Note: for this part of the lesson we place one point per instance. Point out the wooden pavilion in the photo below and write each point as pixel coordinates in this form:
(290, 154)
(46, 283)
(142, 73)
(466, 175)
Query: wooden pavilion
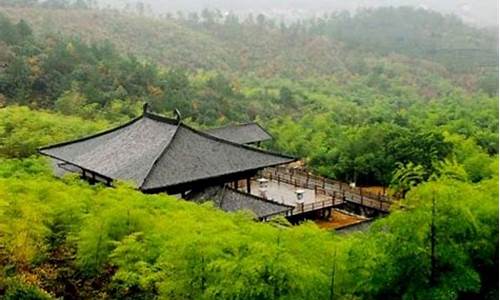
(158, 154)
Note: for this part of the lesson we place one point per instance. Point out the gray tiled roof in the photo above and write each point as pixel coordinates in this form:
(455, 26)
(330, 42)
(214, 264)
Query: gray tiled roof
(230, 200)
(155, 152)
(242, 133)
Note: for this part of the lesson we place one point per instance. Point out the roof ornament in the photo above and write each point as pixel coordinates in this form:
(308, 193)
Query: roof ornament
(178, 116)
(145, 108)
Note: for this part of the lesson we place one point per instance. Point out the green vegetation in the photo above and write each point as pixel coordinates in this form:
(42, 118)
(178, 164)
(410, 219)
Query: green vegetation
(352, 95)
(363, 142)
(22, 130)
(350, 126)
(66, 238)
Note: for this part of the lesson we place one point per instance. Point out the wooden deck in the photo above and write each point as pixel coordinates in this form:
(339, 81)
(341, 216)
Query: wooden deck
(340, 220)
(328, 193)
(284, 193)
(314, 206)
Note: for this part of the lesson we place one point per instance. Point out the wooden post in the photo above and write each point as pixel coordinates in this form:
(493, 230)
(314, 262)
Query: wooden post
(315, 190)
(248, 186)
(323, 182)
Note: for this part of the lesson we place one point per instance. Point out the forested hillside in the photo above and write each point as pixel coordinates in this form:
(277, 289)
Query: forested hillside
(395, 97)
(334, 44)
(349, 120)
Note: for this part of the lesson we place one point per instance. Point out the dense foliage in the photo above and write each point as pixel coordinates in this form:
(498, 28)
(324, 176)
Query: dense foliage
(352, 95)
(22, 131)
(359, 126)
(363, 141)
(337, 43)
(66, 238)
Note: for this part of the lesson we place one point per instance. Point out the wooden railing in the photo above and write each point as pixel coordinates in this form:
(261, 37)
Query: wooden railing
(332, 188)
(307, 207)
(308, 180)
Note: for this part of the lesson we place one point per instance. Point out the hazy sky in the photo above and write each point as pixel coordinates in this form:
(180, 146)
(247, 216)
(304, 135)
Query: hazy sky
(480, 12)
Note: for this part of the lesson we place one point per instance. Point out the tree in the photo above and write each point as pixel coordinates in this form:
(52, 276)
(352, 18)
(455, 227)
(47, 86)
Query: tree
(407, 176)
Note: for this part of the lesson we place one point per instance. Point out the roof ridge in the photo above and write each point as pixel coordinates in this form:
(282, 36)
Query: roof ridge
(241, 133)
(208, 135)
(234, 125)
(263, 129)
(88, 137)
(161, 118)
(78, 166)
(204, 134)
(160, 154)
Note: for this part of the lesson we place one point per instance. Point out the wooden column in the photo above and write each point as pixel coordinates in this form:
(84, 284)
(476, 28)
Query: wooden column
(248, 186)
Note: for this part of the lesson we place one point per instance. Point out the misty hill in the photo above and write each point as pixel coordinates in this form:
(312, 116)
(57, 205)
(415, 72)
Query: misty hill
(484, 13)
(326, 45)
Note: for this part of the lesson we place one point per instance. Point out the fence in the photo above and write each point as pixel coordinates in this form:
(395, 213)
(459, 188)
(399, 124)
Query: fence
(307, 207)
(329, 187)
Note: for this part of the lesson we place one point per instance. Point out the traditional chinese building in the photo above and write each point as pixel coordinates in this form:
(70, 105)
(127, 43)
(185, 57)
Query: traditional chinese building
(158, 154)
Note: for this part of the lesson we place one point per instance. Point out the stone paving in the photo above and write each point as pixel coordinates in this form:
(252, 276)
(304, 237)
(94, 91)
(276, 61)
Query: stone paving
(285, 193)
